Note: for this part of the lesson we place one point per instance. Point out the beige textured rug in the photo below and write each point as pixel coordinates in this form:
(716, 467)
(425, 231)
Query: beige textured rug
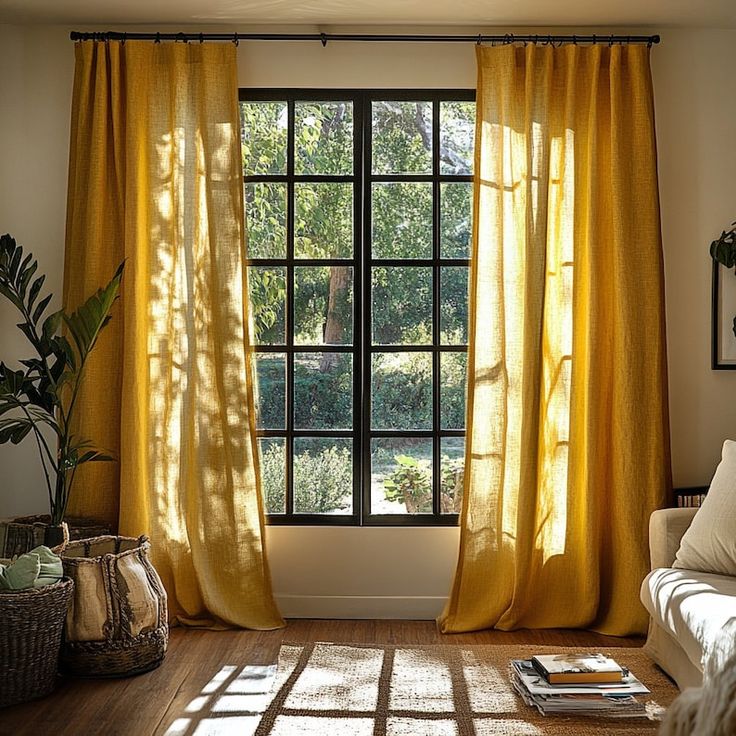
(451, 690)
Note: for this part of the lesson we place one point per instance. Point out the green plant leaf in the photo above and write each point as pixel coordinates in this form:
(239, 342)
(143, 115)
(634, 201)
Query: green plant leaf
(40, 307)
(14, 263)
(52, 323)
(7, 292)
(86, 323)
(14, 429)
(26, 274)
(34, 290)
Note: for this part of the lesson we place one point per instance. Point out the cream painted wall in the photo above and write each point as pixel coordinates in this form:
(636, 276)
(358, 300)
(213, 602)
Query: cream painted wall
(36, 68)
(402, 572)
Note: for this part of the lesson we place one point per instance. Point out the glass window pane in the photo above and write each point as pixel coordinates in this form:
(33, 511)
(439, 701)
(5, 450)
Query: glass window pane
(454, 305)
(323, 475)
(323, 305)
(401, 216)
(401, 391)
(263, 137)
(452, 472)
(273, 473)
(323, 391)
(401, 137)
(271, 390)
(323, 220)
(267, 287)
(456, 219)
(401, 310)
(453, 370)
(401, 475)
(457, 134)
(323, 137)
(265, 220)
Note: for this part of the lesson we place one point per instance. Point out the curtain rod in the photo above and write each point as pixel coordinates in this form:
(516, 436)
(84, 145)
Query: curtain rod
(324, 38)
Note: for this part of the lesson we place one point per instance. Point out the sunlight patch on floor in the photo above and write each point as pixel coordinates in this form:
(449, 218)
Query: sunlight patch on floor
(338, 690)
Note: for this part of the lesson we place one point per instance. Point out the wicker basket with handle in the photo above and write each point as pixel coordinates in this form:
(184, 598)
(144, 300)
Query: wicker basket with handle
(117, 624)
(31, 624)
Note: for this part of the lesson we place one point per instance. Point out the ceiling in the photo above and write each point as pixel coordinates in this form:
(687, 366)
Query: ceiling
(539, 13)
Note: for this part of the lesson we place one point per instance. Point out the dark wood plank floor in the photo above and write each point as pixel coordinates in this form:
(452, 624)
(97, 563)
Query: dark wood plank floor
(149, 704)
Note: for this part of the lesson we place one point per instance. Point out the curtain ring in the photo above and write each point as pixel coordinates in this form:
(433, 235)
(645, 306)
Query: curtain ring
(236, 40)
(122, 40)
(479, 41)
(610, 41)
(180, 37)
(595, 39)
(574, 40)
(201, 37)
(548, 42)
(649, 42)
(323, 39)
(158, 38)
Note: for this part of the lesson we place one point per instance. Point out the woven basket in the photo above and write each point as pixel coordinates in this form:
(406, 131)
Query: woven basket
(23, 533)
(117, 625)
(31, 624)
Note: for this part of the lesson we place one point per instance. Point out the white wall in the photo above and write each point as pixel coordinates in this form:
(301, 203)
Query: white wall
(402, 572)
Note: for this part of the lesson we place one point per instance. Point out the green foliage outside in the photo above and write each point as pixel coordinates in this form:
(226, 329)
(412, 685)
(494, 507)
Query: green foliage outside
(323, 478)
(411, 483)
(324, 295)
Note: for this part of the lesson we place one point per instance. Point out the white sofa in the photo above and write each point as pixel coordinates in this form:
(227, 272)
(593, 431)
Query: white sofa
(693, 614)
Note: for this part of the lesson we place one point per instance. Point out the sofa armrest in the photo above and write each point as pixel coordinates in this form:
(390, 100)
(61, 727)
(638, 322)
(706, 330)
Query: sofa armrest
(666, 528)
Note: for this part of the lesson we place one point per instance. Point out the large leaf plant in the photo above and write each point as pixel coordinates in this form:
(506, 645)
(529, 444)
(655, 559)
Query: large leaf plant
(40, 399)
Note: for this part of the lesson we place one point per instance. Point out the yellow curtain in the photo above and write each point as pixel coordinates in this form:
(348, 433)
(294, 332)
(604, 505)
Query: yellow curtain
(156, 178)
(567, 434)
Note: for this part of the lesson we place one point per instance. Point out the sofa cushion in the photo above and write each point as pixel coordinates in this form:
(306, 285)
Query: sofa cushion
(698, 609)
(709, 544)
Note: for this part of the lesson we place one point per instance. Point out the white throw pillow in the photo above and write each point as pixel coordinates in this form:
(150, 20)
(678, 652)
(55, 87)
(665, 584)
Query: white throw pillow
(709, 545)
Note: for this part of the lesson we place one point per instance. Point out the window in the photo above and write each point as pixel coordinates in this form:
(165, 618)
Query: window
(358, 208)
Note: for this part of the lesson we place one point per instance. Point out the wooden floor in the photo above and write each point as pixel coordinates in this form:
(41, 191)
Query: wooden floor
(149, 704)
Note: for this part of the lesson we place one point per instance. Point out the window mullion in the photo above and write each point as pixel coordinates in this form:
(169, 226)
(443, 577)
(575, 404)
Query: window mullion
(366, 254)
(289, 316)
(436, 508)
(359, 324)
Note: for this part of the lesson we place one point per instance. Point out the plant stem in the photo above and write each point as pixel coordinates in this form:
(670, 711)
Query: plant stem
(67, 494)
(40, 438)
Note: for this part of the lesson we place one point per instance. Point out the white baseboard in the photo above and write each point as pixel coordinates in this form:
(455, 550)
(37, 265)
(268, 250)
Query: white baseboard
(359, 606)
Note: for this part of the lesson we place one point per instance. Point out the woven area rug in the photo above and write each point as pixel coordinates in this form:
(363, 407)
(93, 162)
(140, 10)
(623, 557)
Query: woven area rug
(450, 690)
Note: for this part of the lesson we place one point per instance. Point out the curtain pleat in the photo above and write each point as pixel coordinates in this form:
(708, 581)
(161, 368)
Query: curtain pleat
(567, 446)
(156, 179)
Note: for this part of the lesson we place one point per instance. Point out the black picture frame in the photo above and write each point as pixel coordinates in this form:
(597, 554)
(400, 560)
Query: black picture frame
(719, 360)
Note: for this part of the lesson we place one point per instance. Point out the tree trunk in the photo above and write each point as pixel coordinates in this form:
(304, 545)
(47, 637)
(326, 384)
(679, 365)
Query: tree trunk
(334, 328)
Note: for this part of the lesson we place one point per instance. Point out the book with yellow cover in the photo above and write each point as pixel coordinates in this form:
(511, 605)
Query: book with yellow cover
(572, 669)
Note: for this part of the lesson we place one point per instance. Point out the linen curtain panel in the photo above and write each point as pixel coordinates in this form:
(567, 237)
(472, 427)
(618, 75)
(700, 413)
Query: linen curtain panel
(156, 178)
(567, 434)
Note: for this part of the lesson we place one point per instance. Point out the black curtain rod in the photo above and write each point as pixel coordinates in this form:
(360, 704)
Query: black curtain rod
(324, 38)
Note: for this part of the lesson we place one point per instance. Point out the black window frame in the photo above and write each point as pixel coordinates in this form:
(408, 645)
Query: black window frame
(362, 262)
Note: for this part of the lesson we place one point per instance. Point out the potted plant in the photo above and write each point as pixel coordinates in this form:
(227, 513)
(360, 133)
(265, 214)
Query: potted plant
(43, 394)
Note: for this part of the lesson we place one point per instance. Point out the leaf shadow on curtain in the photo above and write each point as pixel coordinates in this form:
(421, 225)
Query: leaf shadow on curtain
(566, 389)
(156, 178)
(202, 467)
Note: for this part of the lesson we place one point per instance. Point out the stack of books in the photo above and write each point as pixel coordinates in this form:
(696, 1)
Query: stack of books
(581, 685)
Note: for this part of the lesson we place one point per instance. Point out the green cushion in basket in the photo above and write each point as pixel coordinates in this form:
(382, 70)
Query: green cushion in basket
(34, 569)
